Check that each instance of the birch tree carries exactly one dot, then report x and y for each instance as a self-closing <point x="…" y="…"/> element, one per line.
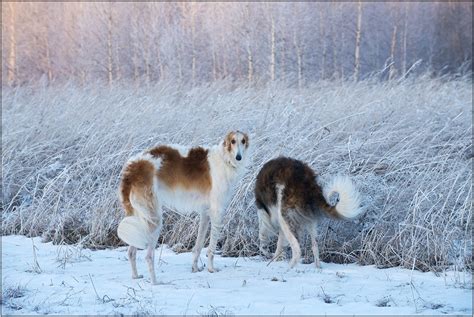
<point x="110" y="58"/>
<point x="11" y="66"/>
<point x="357" y="42"/>
<point x="299" y="46"/>
<point x="405" y="36"/>
<point x="392" y="69"/>
<point x="272" y="42"/>
<point x="247" y="42"/>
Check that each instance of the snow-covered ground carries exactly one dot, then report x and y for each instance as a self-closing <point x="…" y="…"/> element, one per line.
<point x="70" y="280"/>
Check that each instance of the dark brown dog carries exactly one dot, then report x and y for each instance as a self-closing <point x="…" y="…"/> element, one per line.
<point x="289" y="199"/>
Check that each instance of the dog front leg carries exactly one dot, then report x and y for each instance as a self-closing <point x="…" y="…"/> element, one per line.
<point x="216" y="227"/>
<point x="203" y="226"/>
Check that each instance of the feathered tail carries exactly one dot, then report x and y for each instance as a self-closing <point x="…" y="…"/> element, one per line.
<point x="132" y="231"/>
<point x="143" y="227"/>
<point x="342" y="190"/>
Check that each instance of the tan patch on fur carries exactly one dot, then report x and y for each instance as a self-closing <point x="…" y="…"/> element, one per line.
<point x="190" y="172"/>
<point x="228" y="141"/>
<point x="137" y="177"/>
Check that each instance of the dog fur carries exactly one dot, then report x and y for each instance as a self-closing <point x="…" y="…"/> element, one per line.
<point x="289" y="200"/>
<point x="187" y="179"/>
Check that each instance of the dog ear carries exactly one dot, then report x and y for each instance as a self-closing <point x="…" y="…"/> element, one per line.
<point x="246" y="137"/>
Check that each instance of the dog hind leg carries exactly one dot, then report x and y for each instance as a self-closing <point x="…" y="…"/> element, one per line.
<point x="148" y="210"/>
<point x="314" y="245"/>
<point x="132" y="257"/>
<point x="294" y="244"/>
<point x="154" y="229"/>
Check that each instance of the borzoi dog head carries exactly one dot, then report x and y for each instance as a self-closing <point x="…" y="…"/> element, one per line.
<point x="235" y="146"/>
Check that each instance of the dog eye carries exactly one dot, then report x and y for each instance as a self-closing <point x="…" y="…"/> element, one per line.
<point x="243" y="141"/>
<point x="233" y="141"/>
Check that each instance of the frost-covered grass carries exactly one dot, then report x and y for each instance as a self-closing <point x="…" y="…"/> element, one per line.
<point x="407" y="145"/>
<point x="99" y="283"/>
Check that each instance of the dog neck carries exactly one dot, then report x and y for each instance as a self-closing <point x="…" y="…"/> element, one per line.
<point x="225" y="159"/>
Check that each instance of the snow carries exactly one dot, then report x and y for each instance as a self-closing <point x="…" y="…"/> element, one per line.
<point x="72" y="280"/>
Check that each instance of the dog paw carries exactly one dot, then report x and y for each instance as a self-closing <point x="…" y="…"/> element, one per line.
<point x="268" y="256"/>
<point x="197" y="269"/>
<point x="265" y="254"/>
<point x="279" y="257"/>
<point x="293" y="262"/>
<point x="213" y="270"/>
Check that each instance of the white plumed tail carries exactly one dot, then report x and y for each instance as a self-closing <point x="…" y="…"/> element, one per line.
<point x="348" y="205"/>
<point x="133" y="232"/>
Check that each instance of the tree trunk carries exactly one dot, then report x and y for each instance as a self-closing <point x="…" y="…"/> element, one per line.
<point x="11" y="74"/>
<point x="250" y="63"/>
<point x="49" y="71"/>
<point x="136" y="74"/>
<point x="392" y="70"/>
<point x="282" y="64"/>
<point x="118" y="70"/>
<point x="335" y="50"/>
<point x="82" y="70"/>
<point x="214" y="63"/>
<point x="272" y="52"/>
<point x="323" y="39"/>
<point x="299" y="58"/>
<point x="109" y="46"/>
<point x="224" y="62"/>
<point x="342" y="52"/>
<point x="180" y="66"/>
<point x="405" y="32"/>
<point x="300" y="68"/>
<point x="160" y="65"/>
<point x="146" y="58"/>
<point x="357" y="44"/>
<point x="193" y="44"/>
<point x="246" y="29"/>
<point x="134" y="34"/>
<point x="334" y="56"/>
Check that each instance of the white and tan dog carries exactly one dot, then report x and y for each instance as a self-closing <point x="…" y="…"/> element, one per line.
<point x="188" y="179"/>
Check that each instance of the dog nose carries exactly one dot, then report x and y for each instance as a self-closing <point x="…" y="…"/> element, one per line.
<point x="238" y="157"/>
